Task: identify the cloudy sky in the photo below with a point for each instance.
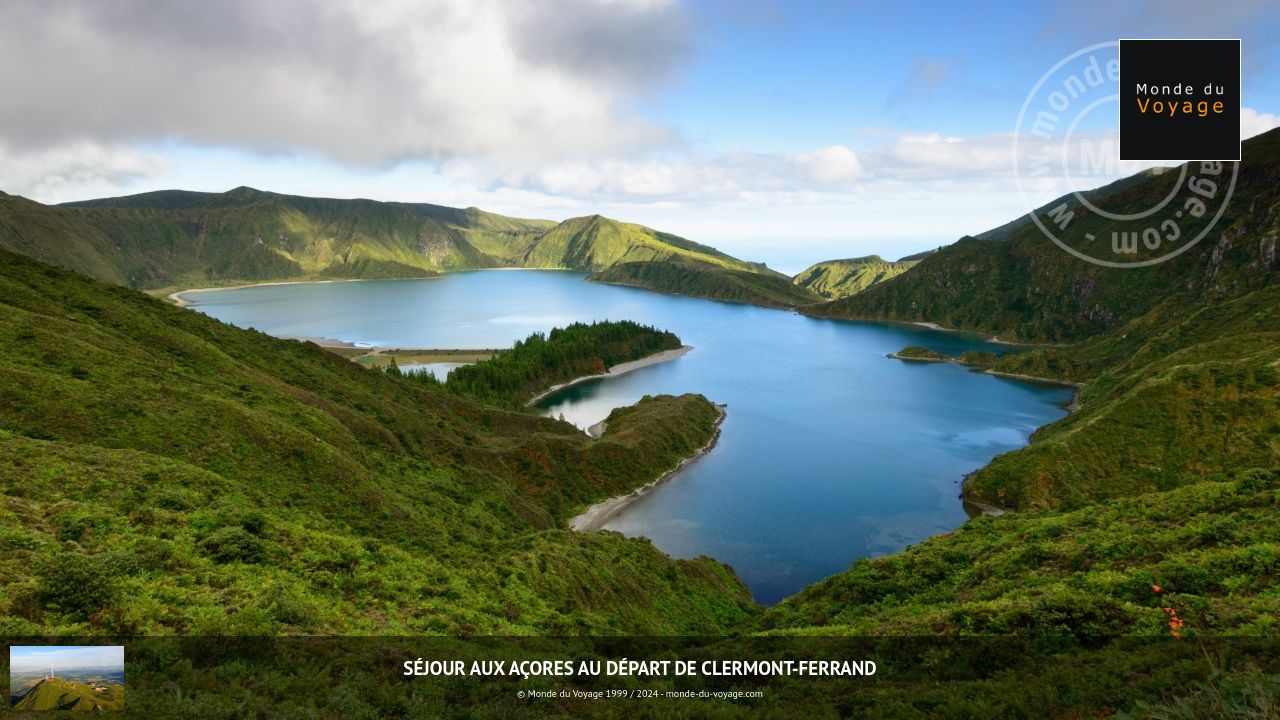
(781, 131)
(28, 658)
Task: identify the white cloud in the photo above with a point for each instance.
(75, 170)
(1253, 122)
(692, 177)
(829, 165)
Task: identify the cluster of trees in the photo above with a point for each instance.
(545, 359)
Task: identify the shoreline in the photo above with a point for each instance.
(180, 301)
(907, 358)
(1072, 406)
(176, 296)
(595, 516)
(619, 369)
(988, 338)
(984, 509)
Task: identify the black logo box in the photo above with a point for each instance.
(1185, 67)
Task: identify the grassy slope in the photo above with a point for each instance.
(699, 279)
(163, 472)
(1212, 547)
(595, 243)
(1174, 396)
(832, 279)
(59, 694)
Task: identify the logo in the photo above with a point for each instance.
(1180, 99)
(1110, 212)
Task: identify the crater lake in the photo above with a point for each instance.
(829, 452)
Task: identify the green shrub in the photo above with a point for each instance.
(74, 584)
(233, 544)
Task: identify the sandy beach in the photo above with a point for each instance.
(594, 517)
(177, 297)
(180, 301)
(619, 369)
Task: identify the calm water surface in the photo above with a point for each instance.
(830, 452)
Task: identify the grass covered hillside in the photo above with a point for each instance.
(595, 243)
(61, 694)
(1025, 288)
(834, 279)
(1172, 397)
(713, 282)
(165, 473)
(1087, 574)
(184, 239)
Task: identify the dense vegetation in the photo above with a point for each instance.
(542, 360)
(1210, 546)
(1170, 399)
(704, 280)
(176, 238)
(165, 473)
(834, 279)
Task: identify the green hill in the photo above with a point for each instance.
(166, 473)
(711, 281)
(595, 243)
(180, 238)
(59, 694)
(832, 279)
(1025, 288)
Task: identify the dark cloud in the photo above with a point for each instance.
(630, 44)
(360, 82)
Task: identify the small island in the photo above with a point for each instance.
(919, 354)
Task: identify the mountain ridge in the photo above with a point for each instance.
(182, 239)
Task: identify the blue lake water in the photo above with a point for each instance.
(830, 451)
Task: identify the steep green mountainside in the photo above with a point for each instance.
(1026, 288)
(832, 279)
(706, 280)
(179, 238)
(165, 473)
(1172, 397)
(60, 694)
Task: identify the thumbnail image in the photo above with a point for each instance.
(66, 677)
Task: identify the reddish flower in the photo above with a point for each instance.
(1156, 588)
